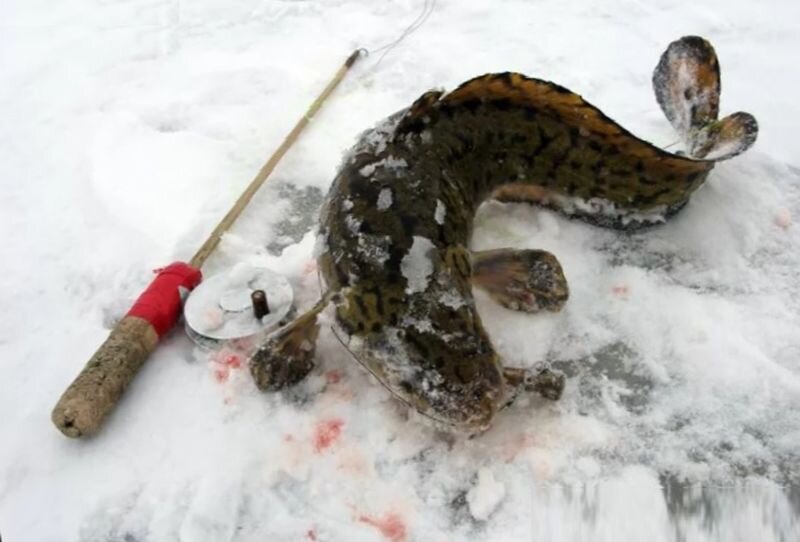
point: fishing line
(382, 383)
(428, 6)
(427, 9)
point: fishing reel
(238, 308)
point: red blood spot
(620, 291)
(311, 535)
(326, 433)
(390, 525)
(243, 344)
(516, 445)
(310, 267)
(783, 219)
(233, 361)
(334, 376)
(221, 373)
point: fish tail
(686, 82)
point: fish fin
(725, 138)
(287, 356)
(510, 90)
(524, 280)
(523, 193)
(457, 259)
(687, 84)
(514, 88)
(421, 112)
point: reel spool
(224, 309)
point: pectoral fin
(287, 357)
(524, 280)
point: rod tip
(355, 56)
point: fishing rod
(95, 392)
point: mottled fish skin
(396, 224)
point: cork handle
(97, 389)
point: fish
(394, 229)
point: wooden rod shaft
(213, 240)
(98, 388)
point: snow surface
(485, 495)
(128, 128)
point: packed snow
(129, 128)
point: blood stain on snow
(390, 525)
(620, 291)
(334, 376)
(222, 365)
(783, 219)
(233, 361)
(352, 462)
(311, 535)
(221, 373)
(517, 445)
(326, 433)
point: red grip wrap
(160, 303)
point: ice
(129, 128)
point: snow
(485, 496)
(353, 224)
(605, 208)
(440, 212)
(129, 128)
(724, 149)
(390, 163)
(375, 247)
(384, 199)
(417, 265)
